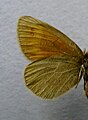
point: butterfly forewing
(39, 40)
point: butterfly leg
(80, 75)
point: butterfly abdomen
(85, 75)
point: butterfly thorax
(85, 63)
(85, 73)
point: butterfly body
(57, 62)
(85, 73)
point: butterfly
(58, 64)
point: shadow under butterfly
(58, 64)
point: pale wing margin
(53, 76)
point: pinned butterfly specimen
(58, 64)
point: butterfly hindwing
(51, 77)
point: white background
(17, 102)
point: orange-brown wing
(39, 40)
